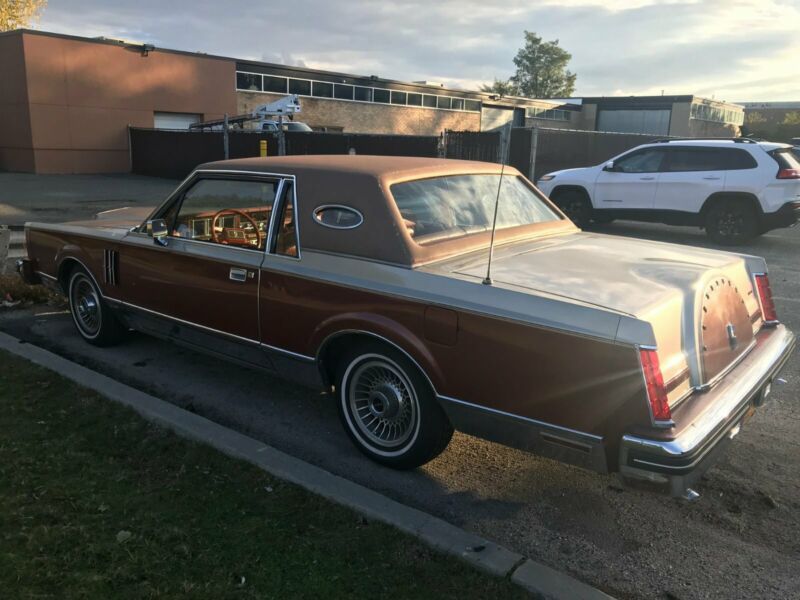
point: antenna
(504, 147)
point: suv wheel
(92, 316)
(731, 222)
(388, 408)
(576, 206)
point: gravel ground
(741, 539)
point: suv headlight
(547, 177)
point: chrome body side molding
(579, 448)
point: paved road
(55, 198)
(740, 540)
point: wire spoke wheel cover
(85, 303)
(381, 404)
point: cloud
(738, 49)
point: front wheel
(576, 206)
(388, 408)
(92, 316)
(731, 222)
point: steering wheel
(244, 240)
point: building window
(301, 87)
(275, 84)
(472, 105)
(256, 82)
(322, 89)
(363, 94)
(380, 95)
(716, 114)
(343, 92)
(548, 114)
(399, 97)
(249, 82)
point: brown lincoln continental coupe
(366, 275)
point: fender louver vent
(110, 266)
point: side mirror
(158, 229)
(609, 167)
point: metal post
(262, 147)
(534, 149)
(505, 143)
(281, 137)
(225, 136)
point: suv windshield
(458, 205)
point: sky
(734, 50)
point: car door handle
(240, 275)
(647, 178)
(712, 178)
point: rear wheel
(576, 206)
(731, 222)
(92, 316)
(388, 408)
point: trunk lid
(699, 302)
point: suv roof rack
(735, 140)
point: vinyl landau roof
(364, 183)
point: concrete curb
(477, 551)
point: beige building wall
(16, 146)
(367, 117)
(82, 95)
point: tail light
(765, 297)
(656, 392)
(789, 174)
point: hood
(568, 171)
(119, 220)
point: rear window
(785, 158)
(460, 205)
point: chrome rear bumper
(677, 464)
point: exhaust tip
(690, 495)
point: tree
(542, 69)
(15, 14)
(500, 87)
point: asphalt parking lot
(741, 539)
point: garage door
(168, 120)
(655, 122)
(493, 117)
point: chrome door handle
(712, 178)
(239, 275)
(647, 178)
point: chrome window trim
(269, 252)
(323, 207)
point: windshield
(458, 205)
(296, 127)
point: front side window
(225, 211)
(642, 161)
(286, 225)
(460, 205)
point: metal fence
(175, 153)
(535, 151)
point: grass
(96, 502)
(13, 289)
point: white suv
(736, 189)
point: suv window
(786, 158)
(684, 159)
(225, 211)
(695, 159)
(647, 160)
